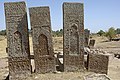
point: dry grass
(103, 44)
(58, 44)
(3, 45)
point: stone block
(98, 63)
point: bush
(58, 33)
(3, 32)
(111, 33)
(101, 33)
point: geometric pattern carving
(74, 47)
(42, 39)
(73, 17)
(17, 40)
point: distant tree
(61, 30)
(61, 33)
(101, 32)
(111, 33)
(118, 30)
(53, 34)
(58, 33)
(3, 32)
(86, 30)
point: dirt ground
(112, 47)
(101, 43)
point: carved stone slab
(17, 39)
(42, 39)
(87, 33)
(92, 43)
(98, 63)
(73, 17)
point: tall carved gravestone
(17, 40)
(73, 36)
(42, 39)
(87, 33)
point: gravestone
(98, 63)
(73, 17)
(17, 40)
(92, 43)
(87, 33)
(42, 39)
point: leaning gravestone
(87, 33)
(73, 36)
(92, 43)
(42, 39)
(17, 40)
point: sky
(98, 14)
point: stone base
(19, 68)
(45, 64)
(73, 63)
(20, 76)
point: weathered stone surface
(17, 39)
(20, 69)
(87, 33)
(92, 43)
(98, 63)
(42, 39)
(73, 36)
